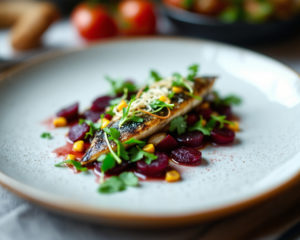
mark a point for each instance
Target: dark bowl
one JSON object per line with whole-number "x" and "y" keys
{"x": 197, "y": 25}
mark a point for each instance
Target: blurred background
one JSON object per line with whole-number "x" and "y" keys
{"x": 28, "y": 27}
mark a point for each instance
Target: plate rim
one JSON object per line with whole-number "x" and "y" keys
{"x": 98, "y": 214}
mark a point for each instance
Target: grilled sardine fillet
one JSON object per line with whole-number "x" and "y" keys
{"x": 183, "y": 103}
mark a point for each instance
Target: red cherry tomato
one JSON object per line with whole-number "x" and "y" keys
{"x": 137, "y": 17}
{"x": 93, "y": 22}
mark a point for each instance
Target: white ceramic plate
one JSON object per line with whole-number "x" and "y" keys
{"x": 265, "y": 157}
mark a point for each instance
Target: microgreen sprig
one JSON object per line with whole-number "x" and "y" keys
{"x": 158, "y": 105}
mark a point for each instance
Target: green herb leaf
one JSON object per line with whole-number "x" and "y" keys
{"x": 116, "y": 157}
{"x": 119, "y": 86}
{"x": 74, "y": 163}
{"x": 155, "y": 76}
{"x": 178, "y": 124}
{"x": 111, "y": 185}
{"x": 204, "y": 129}
{"x": 136, "y": 154}
{"x": 125, "y": 118}
{"x": 196, "y": 97}
{"x": 108, "y": 162}
{"x": 180, "y": 82}
{"x": 94, "y": 127}
{"x": 222, "y": 120}
{"x": 129, "y": 179}
{"x": 46, "y": 135}
{"x": 114, "y": 135}
{"x": 135, "y": 141}
{"x": 193, "y": 71}
{"x": 171, "y": 95}
{"x": 158, "y": 105}
{"x": 187, "y": 4}
{"x": 228, "y": 100}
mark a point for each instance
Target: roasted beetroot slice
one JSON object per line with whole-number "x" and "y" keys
{"x": 223, "y": 109}
{"x": 100, "y": 103}
{"x": 187, "y": 156}
{"x": 205, "y": 113}
{"x": 191, "y": 139}
{"x": 222, "y": 135}
{"x": 156, "y": 168}
{"x": 119, "y": 168}
{"x": 192, "y": 118}
{"x": 91, "y": 115}
{"x": 70, "y": 113}
{"x": 78, "y": 131}
{"x": 167, "y": 144}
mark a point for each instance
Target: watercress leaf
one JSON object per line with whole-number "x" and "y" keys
{"x": 178, "y": 125}
{"x": 232, "y": 100}
{"x": 193, "y": 70}
{"x": 135, "y": 154}
{"x": 74, "y": 163}
{"x": 222, "y": 120}
{"x": 155, "y": 76}
{"x": 129, "y": 179}
{"x": 118, "y": 85}
{"x": 199, "y": 127}
{"x": 149, "y": 157}
{"x": 135, "y": 141}
{"x": 136, "y": 119}
{"x": 111, "y": 185}
{"x": 108, "y": 162}
{"x": 158, "y": 105}
{"x": 121, "y": 150}
{"x": 46, "y": 135}
{"x": 113, "y": 133}
{"x": 180, "y": 82}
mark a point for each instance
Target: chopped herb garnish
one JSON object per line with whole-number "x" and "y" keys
{"x": 114, "y": 135}
{"x": 193, "y": 71}
{"x": 46, "y": 135}
{"x": 135, "y": 141}
{"x": 136, "y": 154}
{"x": 108, "y": 162}
{"x": 74, "y": 163}
{"x": 111, "y": 185}
{"x": 155, "y": 76}
{"x": 206, "y": 130}
{"x": 196, "y": 97}
{"x": 158, "y": 105}
{"x": 118, "y": 86}
{"x": 125, "y": 118}
{"x": 221, "y": 120}
{"x": 171, "y": 95}
{"x": 198, "y": 126}
{"x": 118, "y": 183}
{"x": 94, "y": 127}
{"x": 180, "y": 82}
{"x": 178, "y": 125}
{"x": 228, "y": 100}
{"x": 116, "y": 157}
{"x": 129, "y": 179}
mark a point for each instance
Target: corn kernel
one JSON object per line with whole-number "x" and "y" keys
{"x": 177, "y": 89}
{"x": 164, "y": 99}
{"x": 60, "y": 122}
{"x": 105, "y": 122}
{"x": 78, "y": 146}
{"x": 149, "y": 148}
{"x": 205, "y": 105}
{"x": 172, "y": 176}
{"x": 203, "y": 122}
{"x": 71, "y": 157}
{"x": 234, "y": 127}
{"x": 122, "y": 105}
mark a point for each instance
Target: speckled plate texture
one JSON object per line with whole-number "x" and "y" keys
{"x": 264, "y": 157}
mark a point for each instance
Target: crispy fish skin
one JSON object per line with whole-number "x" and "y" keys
{"x": 183, "y": 104}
